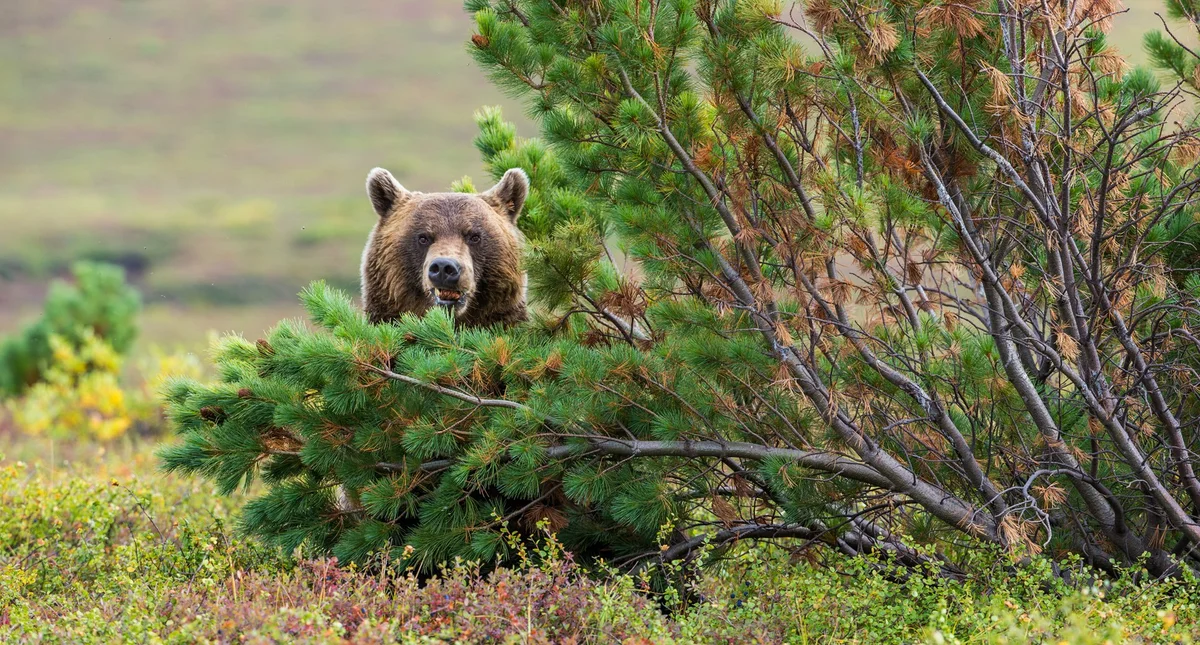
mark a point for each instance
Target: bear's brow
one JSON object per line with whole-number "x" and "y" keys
{"x": 450, "y": 208}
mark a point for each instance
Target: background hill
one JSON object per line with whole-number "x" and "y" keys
{"x": 218, "y": 152}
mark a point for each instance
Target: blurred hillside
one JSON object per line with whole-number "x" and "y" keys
{"x": 219, "y": 152}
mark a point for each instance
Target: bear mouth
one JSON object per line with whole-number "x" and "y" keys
{"x": 447, "y": 297}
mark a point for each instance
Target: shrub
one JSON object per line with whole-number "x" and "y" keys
{"x": 82, "y": 394}
{"x": 98, "y": 304}
{"x": 923, "y": 284}
{"x": 79, "y": 394}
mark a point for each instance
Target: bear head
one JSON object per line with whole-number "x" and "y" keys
{"x": 456, "y": 250}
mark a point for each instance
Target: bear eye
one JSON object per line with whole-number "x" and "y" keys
{"x": 424, "y": 240}
{"x": 473, "y": 238}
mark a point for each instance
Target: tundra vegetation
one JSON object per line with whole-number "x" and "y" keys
{"x": 875, "y": 323}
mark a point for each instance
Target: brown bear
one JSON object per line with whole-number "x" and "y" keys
{"x": 457, "y": 250}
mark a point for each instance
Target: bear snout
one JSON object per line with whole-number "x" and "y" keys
{"x": 444, "y": 273}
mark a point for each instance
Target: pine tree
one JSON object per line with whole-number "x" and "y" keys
{"x": 891, "y": 273}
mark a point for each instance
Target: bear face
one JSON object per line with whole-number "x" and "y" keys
{"x": 456, "y": 250}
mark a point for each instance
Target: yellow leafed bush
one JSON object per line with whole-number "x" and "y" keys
{"x": 82, "y": 395}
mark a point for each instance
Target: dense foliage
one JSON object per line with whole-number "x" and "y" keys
{"x": 902, "y": 273}
{"x": 97, "y": 306}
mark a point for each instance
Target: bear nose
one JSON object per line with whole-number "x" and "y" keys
{"x": 444, "y": 272}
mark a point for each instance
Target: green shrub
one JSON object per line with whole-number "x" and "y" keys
{"x": 98, "y": 303}
{"x": 880, "y": 296}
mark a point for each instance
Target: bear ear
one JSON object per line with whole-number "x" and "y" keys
{"x": 509, "y": 194}
{"x": 385, "y": 192}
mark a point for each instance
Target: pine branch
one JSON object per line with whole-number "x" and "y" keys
{"x": 592, "y": 445}
{"x": 453, "y": 393}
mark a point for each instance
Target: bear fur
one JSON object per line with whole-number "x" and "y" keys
{"x": 418, "y": 233}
